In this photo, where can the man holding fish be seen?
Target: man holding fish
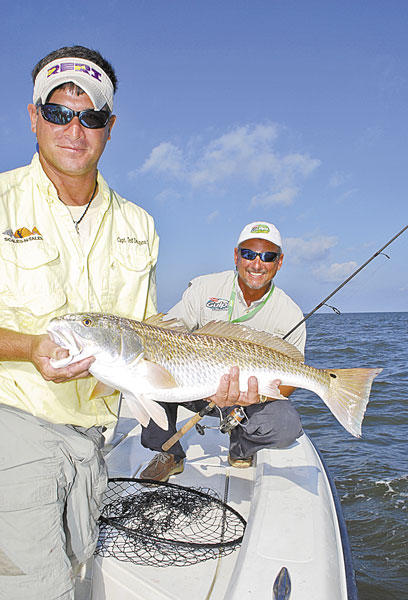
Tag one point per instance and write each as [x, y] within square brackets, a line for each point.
[248, 296]
[68, 243]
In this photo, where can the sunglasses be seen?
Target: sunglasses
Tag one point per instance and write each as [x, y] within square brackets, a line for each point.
[62, 115]
[264, 256]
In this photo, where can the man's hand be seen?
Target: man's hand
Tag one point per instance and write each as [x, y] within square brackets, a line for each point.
[43, 349]
[228, 393]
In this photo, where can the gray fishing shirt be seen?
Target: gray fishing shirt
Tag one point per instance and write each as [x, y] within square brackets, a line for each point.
[208, 297]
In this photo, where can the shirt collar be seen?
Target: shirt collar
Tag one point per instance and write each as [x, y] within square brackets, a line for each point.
[49, 191]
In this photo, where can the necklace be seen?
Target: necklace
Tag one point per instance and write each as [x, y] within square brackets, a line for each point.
[76, 223]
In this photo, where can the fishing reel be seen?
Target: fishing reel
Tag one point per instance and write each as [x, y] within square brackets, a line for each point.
[236, 417]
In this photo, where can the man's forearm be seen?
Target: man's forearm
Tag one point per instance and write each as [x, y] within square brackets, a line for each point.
[39, 349]
[15, 345]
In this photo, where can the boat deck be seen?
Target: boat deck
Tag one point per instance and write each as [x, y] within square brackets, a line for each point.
[291, 518]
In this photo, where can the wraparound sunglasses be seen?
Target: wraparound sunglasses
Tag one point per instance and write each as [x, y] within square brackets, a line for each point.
[264, 256]
[62, 115]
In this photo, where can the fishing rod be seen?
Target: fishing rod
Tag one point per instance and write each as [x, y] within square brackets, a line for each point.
[323, 302]
[236, 415]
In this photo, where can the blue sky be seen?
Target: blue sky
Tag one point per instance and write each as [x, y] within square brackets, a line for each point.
[230, 111]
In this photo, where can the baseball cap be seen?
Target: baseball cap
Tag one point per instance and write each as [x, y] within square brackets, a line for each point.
[84, 73]
[262, 230]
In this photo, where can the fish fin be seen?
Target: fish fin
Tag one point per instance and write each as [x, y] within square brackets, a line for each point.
[137, 409]
[155, 411]
[271, 390]
[159, 321]
[145, 409]
[158, 376]
[154, 319]
[236, 331]
[348, 396]
[100, 390]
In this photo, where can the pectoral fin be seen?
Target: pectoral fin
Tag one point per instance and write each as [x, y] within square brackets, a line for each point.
[137, 409]
[100, 390]
[145, 409]
[157, 376]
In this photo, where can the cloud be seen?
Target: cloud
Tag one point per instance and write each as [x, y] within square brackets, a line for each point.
[284, 197]
[164, 158]
[348, 194]
[246, 154]
[168, 196]
[212, 216]
[308, 250]
[336, 272]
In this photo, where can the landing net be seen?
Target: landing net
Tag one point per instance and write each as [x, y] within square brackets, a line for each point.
[164, 524]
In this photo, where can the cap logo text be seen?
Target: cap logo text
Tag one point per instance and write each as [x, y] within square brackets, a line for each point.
[260, 229]
[74, 66]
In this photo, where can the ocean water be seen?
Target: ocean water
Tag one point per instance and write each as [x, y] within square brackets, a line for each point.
[371, 473]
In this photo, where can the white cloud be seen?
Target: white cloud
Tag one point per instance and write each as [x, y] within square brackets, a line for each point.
[244, 151]
[308, 250]
[348, 194]
[168, 196]
[212, 216]
[336, 272]
[284, 197]
[247, 153]
[165, 157]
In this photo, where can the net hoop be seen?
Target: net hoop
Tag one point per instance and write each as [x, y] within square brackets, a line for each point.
[192, 491]
[161, 523]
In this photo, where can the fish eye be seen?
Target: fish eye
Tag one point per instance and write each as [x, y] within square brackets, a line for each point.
[87, 321]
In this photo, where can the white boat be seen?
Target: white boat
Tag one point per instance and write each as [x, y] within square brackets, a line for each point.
[294, 523]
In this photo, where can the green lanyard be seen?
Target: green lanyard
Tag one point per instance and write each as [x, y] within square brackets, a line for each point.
[252, 312]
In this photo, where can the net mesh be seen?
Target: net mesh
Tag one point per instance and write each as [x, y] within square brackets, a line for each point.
[164, 524]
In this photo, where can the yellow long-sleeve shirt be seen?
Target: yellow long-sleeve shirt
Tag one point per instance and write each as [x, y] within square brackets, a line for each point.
[44, 272]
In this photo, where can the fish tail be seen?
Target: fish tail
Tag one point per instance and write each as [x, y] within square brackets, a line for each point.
[348, 395]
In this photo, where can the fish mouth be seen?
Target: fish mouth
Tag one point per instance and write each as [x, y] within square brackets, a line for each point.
[67, 340]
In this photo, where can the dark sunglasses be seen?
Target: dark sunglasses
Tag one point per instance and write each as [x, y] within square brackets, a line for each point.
[62, 115]
[264, 256]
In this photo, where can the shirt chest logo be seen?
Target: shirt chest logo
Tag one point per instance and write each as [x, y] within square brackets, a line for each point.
[217, 303]
[22, 234]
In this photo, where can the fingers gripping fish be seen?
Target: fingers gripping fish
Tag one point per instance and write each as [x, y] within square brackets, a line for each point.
[158, 361]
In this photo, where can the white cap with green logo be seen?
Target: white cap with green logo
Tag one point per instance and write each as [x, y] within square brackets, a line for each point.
[261, 230]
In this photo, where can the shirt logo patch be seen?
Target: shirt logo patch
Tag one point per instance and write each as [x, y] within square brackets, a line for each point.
[217, 303]
[22, 234]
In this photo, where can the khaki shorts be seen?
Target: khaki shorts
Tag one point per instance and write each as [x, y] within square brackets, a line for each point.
[52, 478]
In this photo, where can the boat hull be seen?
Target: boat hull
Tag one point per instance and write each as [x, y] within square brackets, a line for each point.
[293, 517]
